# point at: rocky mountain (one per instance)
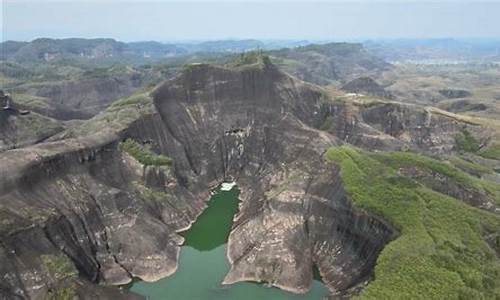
(72, 79)
(66, 90)
(80, 212)
(368, 86)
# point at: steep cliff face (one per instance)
(86, 201)
(422, 129)
(442, 239)
(291, 215)
(113, 216)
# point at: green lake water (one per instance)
(203, 263)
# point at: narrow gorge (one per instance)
(106, 202)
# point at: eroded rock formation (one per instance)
(114, 218)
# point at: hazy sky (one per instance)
(279, 19)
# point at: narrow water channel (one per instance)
(203, 263)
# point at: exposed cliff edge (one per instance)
(19, 128)
(91, 206)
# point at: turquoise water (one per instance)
(203, 263)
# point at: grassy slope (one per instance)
(469, 167)
(492, 151)
(117, 116)
(36, 125)
(31, 102)
(441, 252)
(20, 130)
(143, 154)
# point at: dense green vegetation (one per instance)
(65, 293)
(446, 249)
(143, 154)
(466, 142)
(104, 72)
(492, 151)
(38, 125)
(328, 124)
(30, 101)
(252, 57)
(59, 266)
(469, 167)
(150, 195)
(118, 116)
(248, 58)
(136, 99)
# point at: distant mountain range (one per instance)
(318, 63)
(103, 50)
(46, 50)
(446, 49)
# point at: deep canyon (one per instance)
(80, 213)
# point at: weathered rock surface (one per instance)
(78, 198)
(83, 98)
(262, 139)
(20, 128)
(443, 184)
(115, 219)
(367, 86)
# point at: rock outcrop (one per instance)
(19, 128)
(367, 86)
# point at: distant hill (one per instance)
(322, 64)
(226, 46)
(47, 50)
(75, 78)
(368, 86)
(329, 63)
(445, 50)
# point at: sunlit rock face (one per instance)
(256, 125)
